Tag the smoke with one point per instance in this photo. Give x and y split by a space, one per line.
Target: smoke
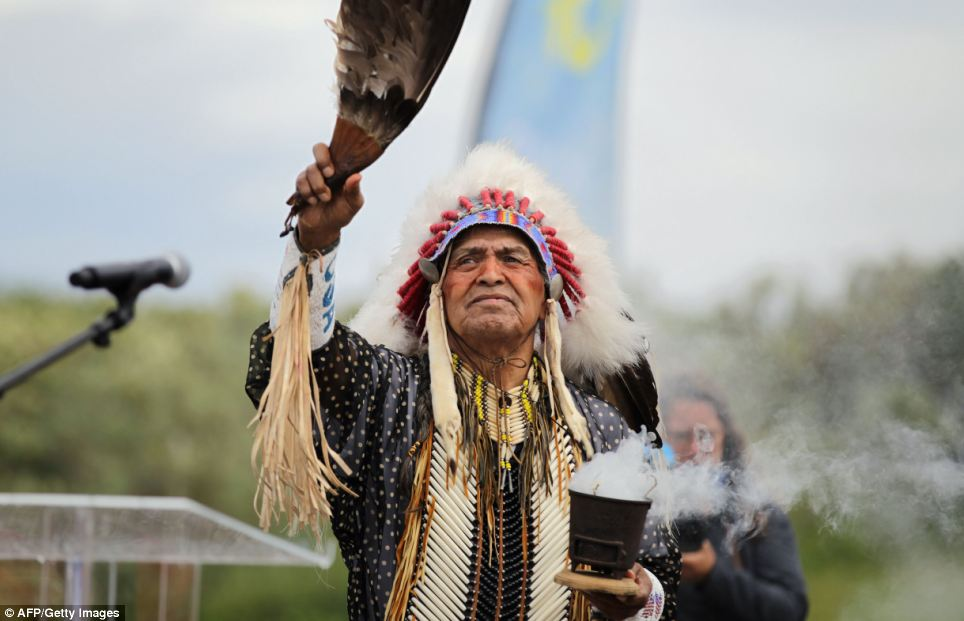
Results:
628 473
691 491
886 481
637 471
892 480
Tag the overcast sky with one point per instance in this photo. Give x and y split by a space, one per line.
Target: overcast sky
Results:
758 136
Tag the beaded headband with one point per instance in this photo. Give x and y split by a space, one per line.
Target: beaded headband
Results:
492 207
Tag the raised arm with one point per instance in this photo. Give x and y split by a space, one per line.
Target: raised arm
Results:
350 373
303 368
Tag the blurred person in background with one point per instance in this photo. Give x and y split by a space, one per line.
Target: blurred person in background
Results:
753 576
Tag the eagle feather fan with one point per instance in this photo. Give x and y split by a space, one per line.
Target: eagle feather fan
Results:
390 53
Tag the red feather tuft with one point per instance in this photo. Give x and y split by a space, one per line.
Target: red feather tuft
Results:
558 253
571 283
412 297
407 286
510 199
565 308
428 248
555 242
564 264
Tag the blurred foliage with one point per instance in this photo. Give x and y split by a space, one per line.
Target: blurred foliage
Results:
894 342
162 411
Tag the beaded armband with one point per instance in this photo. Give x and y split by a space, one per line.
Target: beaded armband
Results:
321 288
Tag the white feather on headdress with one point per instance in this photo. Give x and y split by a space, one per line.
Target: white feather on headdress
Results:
600 338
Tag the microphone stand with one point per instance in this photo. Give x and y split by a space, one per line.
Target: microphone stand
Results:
98 333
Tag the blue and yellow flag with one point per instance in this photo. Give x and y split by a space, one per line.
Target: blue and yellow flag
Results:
552 95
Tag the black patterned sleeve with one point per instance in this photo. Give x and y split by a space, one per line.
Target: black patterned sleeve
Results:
363 393
660 555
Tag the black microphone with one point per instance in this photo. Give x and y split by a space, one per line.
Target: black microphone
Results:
171 270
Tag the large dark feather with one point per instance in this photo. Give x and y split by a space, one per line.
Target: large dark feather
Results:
633 391
390 53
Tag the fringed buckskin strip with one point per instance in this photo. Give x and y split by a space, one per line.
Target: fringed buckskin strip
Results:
292 479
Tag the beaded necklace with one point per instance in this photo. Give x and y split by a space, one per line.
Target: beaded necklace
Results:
514 408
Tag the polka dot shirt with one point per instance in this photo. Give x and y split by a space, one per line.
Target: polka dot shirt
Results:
368 397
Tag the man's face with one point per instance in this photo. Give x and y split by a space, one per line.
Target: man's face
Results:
493 288
694 431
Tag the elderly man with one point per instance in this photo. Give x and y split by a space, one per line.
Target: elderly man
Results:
449 419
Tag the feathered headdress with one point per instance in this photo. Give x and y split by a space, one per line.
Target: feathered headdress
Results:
390 53
601 345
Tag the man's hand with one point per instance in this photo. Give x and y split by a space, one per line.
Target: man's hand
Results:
698 565
326 212
622 607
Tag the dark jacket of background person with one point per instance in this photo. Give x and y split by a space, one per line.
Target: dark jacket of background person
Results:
764 582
